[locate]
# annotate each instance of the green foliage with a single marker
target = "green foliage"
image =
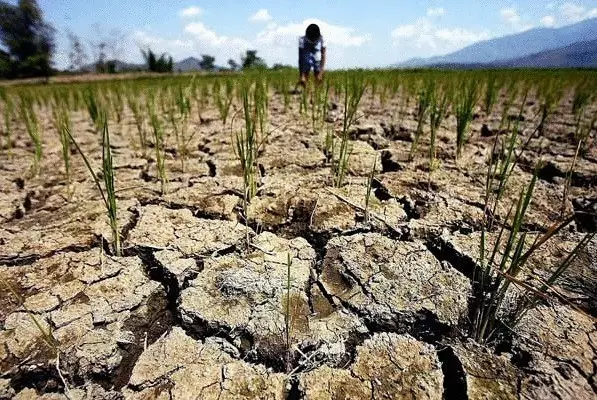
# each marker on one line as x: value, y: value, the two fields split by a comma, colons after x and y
x: 108, y: 192
x: 251, y: 61
x: 161, y: 64
x: 465, y: 104
x: 355, y: 87
x: 28, y: 39
x: 29, y: 117
x: 426, y: 96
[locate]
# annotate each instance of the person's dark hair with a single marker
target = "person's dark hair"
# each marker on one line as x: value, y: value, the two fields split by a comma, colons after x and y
x: 313, y: 33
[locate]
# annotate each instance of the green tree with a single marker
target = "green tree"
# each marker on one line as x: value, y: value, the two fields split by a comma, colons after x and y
x: 163, y: 63
x: 207, y: 62
x: 233, y: 64
x: 251, y: 61
x: 28, y: 39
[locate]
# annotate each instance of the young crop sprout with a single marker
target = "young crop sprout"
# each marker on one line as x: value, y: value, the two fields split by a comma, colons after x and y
x: 158, y: 138
x: 507, y: 259
x: 319, y: 104
x: 93, y: 108
x: 32, y: 125
x: 582, y: 132
x: 139, y: 117
x: 550, y: 94
x: 183, y: 103
x: 108, y: 192
x: 354, y: 89
x: 370, y: 179
x: 224, y: 103
x: 287, y: 315
x: 464, y: 108
x: 426, y: 96
x: 7, y: 113
x: 440, y: 103
x: 62, y: 124
x: 492, y: 88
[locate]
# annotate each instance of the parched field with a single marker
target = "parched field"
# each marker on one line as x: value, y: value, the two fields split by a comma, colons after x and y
x: 389, y: 235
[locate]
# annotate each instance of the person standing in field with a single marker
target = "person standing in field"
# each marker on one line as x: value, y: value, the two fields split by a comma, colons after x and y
x: 312, y: 55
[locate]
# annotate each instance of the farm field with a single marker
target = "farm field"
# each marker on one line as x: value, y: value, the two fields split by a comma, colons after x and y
x: 388, y: 234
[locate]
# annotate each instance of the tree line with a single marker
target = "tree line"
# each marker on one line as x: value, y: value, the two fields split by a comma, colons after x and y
x: 27, y: 46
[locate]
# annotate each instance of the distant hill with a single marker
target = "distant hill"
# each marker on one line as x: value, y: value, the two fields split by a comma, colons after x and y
x: 577, y: 55
x: 187, y: 65
x: 513, y: 47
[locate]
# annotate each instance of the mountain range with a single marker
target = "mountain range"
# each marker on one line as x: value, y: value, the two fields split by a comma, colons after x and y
x: 572, y: 46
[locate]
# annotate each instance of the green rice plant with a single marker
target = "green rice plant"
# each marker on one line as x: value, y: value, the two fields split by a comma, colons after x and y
x: 158, y: 138
x: 183, y: 103
x: 63, y: 126
x: 261, y: 103
x: 139, y: 118
x: 108, y: 192
x: 93, y: 107
x: 582, y: 133
x: 117, y: 102
x: 355, y: 87
x: 7, y: 114
x: 29, y: 117
x: 492, y: 88
x: 465, y: 103
x: 329, y: 144
x: 319, y: 105
x: 507, y: 259
x: 370, y: 179
x: 224, y: 103
x: 426, y: 95
x: 582, y: 97
x: 287, y: 315
x: 440, y: 104
x: 550, y: 94
x: 247, y: 143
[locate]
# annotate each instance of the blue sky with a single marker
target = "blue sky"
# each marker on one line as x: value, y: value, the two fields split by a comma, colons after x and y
x: 358, y: 33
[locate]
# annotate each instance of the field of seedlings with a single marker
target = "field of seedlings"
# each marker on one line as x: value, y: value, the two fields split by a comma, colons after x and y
x: 385, y: 235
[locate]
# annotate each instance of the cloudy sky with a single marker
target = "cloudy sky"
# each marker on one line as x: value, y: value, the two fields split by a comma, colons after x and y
x: 358, y: 33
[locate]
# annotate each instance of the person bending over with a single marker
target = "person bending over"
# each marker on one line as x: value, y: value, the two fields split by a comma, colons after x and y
x: 312, y: 55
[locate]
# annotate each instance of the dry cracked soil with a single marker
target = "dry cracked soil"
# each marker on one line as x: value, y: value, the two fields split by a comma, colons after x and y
x: 372, y: 308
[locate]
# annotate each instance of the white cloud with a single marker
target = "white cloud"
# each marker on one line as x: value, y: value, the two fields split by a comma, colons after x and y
x: 261, y: 16
x: 288, y: 34
x: 510, y: 16
x: 548, y: 21
x: 513, y: 20
x: 193, y: 11
x: 423, y: 37
x: 436, y: 12
x: 575, y: 13
x: 275, y: 43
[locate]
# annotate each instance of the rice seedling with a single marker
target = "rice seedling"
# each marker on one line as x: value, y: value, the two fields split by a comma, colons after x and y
x: 492, y: 88
x: 224, y: 103
x: 370, y: 179
x: 464, y: 108
x: 62, y: 124
x: 319, y: 106
x: 93, y: 107
x: 440, y: 104
x: 139, y: 118
x: 287, y: 315
x: 426, y: 95
x: 158, y: 138
x: 355, y: 87
x: 582, y: 133
x: 7, y: 114
x: 29, y: 117
x: 506, y: 261
x: 108, y: 192
x: 183, y: 104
